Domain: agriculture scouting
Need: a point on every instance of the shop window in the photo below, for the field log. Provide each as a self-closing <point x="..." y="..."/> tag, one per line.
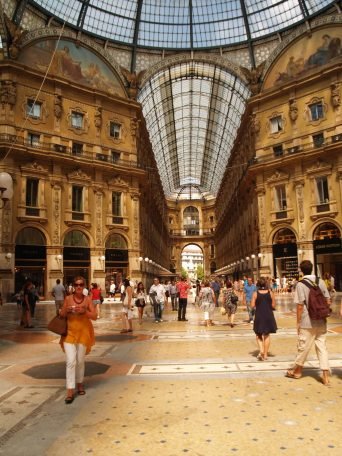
<point x="77" y="202"/>
<point x="276" y="124"/>
<point x="115" y="130"/>
<point x="32" y="186"/>
<point x="316" y="111"/>
<point x="322" y="192"/>
<point x="33" y="109"/>
<point x="77" y="120"/>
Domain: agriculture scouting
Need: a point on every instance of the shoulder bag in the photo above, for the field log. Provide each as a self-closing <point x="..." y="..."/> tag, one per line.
<point x="58" y="325"/>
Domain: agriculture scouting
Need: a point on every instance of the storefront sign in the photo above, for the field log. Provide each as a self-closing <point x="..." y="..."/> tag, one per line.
<point x="115" y="255"/>
<point x="328" y="246"/>
<point x="284" y="250"/>
<point x="76" y="254"/>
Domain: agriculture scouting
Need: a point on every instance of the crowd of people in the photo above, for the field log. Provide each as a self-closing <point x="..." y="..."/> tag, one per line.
<point x="79" y="305"/>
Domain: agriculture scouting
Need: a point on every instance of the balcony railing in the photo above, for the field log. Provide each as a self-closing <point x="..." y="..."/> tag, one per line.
<point x="292" y="151"/>
<point x="8" y="141"/>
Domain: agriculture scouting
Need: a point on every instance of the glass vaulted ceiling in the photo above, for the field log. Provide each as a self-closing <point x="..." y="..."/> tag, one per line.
<point x="192" y="111"/>
<point x="182" y="24"/>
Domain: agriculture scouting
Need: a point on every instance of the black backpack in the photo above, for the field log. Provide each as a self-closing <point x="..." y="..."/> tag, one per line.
<point x="317" y="306"/>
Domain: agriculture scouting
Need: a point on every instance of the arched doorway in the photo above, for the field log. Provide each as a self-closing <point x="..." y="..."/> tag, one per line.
<point x="191" y="221"/>
<point x="30" y="259"/>
<point x="76" y="256"/>
<point x="192" y="262"/>
<point x="116" y="259"/>
<point x="285" y="258"/>
<point x="327" y="244"/>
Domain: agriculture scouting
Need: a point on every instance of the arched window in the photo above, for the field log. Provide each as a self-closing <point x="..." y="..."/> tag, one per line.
<point x="191" y="221"/>
<point x="116" y="241"/>
<point x="76" y="239"/>
<point x="284" y="236"/>
<point x="30" y="236"/>
<point x="326" y="231"/>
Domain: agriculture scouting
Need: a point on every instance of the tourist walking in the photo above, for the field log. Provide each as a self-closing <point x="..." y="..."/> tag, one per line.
<point x="310" y="331"/>
<point x="127" y="308"/>
<point x="59" y="293"/>
<point x="95" y="293"/>
<point x="207" y="301"/>
<point x="230" y="302"/>
<point x="263" y="302"/>
<point x="248" y="290"/>
<point x="183" y="287"/>
<point x="79" y="310"/>
<point x="157" y="296"/>
<point x="174" y="295"/>
<point x="140" y="301"/>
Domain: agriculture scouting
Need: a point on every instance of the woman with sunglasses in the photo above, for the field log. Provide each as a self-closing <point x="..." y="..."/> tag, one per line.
<point x="79" y="310"/>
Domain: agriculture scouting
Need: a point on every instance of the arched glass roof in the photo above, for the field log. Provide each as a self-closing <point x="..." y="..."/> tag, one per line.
<point x="182" y="24"/>
<point x="193" y="111"/>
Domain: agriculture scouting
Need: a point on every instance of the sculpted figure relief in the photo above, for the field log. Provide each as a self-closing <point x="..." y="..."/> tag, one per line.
<point x="293" y="109"/>
<point x="8" y="93"/>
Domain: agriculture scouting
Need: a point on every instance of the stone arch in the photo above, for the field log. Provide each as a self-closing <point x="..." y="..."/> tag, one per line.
<point x="30" y="235"/>
<point x="326" y="230"/>
<point x="76" y="238"/>
<point x="116" y="240"/>
<point x="219" y="61"/>
<point x="284" y="235"/>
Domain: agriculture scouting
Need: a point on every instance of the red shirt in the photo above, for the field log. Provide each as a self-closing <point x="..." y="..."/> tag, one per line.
<point x="183" y="288"/>
<point x="95" y="294"/>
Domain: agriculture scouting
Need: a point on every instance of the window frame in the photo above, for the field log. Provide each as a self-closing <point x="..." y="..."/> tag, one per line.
<point x="31" y="106"/>
<point x="113" y="133"/>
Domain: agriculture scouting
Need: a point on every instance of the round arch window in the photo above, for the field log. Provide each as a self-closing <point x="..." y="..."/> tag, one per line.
<point x="76" y="239"/>
<point x="30" y="236"/>
<point x="284" y="236"/>
<point x="326" y="231"/>
<point x="116" y="241"/>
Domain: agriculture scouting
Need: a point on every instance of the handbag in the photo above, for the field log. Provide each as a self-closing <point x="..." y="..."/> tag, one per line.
<point x="58" y="325"/>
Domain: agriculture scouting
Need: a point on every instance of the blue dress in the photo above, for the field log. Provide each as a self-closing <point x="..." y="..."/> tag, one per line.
<point x="264" y="321"/>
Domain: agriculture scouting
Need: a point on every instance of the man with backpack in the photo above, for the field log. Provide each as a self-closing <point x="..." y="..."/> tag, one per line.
<point x="313" y="303"/>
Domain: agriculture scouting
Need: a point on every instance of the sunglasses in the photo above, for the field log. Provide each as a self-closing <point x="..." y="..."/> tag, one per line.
<point x="78" y="284"/>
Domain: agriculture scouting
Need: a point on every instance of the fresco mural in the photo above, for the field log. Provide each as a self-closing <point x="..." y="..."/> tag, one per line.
<point x="310" y="52"/>
<point x="72" y="62"/>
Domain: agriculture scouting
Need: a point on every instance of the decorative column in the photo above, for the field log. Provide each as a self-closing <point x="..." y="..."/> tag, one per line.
<point x="134" y="253"/>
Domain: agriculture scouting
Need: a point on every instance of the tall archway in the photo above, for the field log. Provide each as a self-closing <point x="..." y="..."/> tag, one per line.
<point x="193" y="262"/>
<point x="285" y="257"/>
<point x="30" y="259"/>
<point x="327" y="246"/>
<point x="76" y="256"/>
<point x="116" y="259"/>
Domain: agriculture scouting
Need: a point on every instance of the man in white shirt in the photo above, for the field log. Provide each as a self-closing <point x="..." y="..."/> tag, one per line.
<point x="157" y="295"/>
<point x="112" y="289"/>
<point x="309" y="331"/>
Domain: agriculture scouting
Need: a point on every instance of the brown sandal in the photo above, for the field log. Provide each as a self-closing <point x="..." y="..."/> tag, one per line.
<point x="290" y="374"/>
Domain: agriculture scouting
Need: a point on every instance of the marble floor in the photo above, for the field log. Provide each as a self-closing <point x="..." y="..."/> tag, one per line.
<point x="168" y="389"/>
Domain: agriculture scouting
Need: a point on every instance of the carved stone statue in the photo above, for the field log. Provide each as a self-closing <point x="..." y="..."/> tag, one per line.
<point x="58" y="109"/>
<point x="133" y="81"/>
<point x="253" y="77"/>
<point x="16" y="34"/>
<point x="98" y="117"/>
<point x="255" y="124"/>
<point x="335" y="95"/>
<point x="293" y="109"/>
<point x="8" y="94"/>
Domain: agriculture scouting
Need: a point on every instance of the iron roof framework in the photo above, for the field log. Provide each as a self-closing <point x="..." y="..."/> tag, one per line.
<point x="192" y="111"/>
<point x="182" y="24"/>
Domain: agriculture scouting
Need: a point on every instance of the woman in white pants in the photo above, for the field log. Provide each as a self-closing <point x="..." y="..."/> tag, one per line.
<point x="78" y="309"/>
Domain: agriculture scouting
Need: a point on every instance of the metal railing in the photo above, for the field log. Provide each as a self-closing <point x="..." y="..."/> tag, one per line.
<point x="11" y="141"/>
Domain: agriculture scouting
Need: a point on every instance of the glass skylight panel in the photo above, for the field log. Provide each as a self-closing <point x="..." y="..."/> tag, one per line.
<point x="64" y="9"/>
<point x="314" y="6"/>
<point x="275" y="17"/>
<point x="128" y="8"/>
<point x="113" y="27"/>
